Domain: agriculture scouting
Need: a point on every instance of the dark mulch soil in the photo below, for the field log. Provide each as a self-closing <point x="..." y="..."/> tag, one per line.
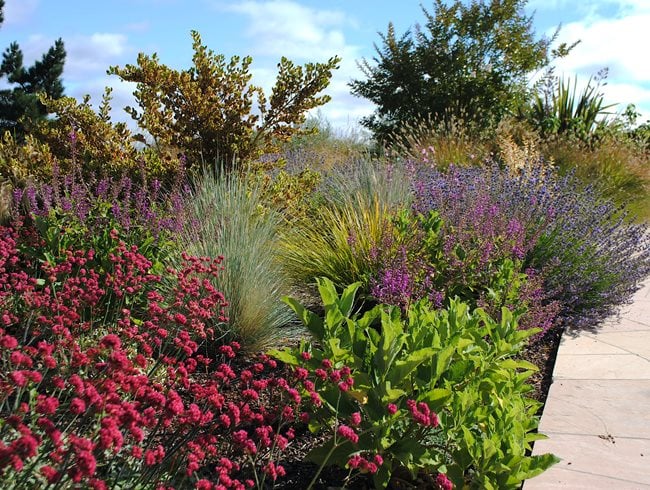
<point x="542" y="354"/>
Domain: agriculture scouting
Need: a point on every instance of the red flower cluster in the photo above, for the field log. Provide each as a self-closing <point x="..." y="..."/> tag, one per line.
<point x="422" y="414"/>
<point x="364" y="465"/>
<point x="443" y="482"/>
<point x="104" y="379"/>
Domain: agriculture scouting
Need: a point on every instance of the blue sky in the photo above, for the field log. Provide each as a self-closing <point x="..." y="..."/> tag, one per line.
<point x="614" y="34"/>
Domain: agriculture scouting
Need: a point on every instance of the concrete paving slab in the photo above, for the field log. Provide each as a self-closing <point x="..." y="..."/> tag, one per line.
<point x="575" y="480"/>
<point x="618" y="325"/>
<point x="637" y="342"/>
<point x="588" y="343"/>
<point x="601" y="366"/>
<point x="594" y="460"/>
<point x="643" y="293"/>
<point x="637" y="314"/>
<point x="598" y="407"/>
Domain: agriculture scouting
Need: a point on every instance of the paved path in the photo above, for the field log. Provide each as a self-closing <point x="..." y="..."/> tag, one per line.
<point x="597" y="414"/>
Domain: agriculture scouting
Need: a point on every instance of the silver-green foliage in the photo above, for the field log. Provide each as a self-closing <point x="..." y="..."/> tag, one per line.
<point x="227" y="218"/>
<point x="369" y="181"/>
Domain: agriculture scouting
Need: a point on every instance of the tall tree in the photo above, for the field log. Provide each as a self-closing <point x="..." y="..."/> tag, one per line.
<point x="469" y="60"/>
<point x="19" y="104"/>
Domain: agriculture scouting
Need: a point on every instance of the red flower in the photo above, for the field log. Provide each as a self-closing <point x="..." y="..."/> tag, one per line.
<point x="348" y="433"/>
<point x="77" y="406"/>
<point x="18" y="378"/>
<point x="50" y="474"/>
<point x="46" y="405"/>
<point x="443" y="482"/>
<point x="110" y="341"/>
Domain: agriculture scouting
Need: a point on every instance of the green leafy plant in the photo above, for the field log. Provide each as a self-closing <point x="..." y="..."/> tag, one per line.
<point x="558" y="109"/>
<point x="438" y="391"/>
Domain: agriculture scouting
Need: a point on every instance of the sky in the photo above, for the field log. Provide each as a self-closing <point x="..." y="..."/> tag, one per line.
<point x="614" y="34"/>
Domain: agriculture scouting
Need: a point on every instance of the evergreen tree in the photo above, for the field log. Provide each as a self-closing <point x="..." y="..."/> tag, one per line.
<point x="19" y="104"/>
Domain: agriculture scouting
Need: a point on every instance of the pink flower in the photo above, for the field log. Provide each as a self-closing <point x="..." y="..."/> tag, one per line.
<point x="77" y="406"/>
<point x="355" y="419"/>
<point x="443" y="482"/>
<point x="392" y="408"/>
<point x="305" y="355"/>
<point x="348" y="433"/>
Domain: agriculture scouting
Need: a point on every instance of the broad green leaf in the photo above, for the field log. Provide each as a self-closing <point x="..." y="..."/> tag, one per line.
<point x="359" y="395"/>
<point x="327" y="291"/>
<point x="285" y="356"/>
<point x="347" y="298"/>
<point x="436" y="398"/>
<point x="403" y="367"/>
<point x="533" y="466"/>
<point x="333" y="319"/>
<point x="392" y="394"/>
<point x="338" y="353"/>
<point x="312" y="321"/>
<point x="518" y="364"/>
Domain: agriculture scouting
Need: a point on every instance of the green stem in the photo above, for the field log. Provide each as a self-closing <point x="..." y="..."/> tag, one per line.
<point x="331" y="451"/>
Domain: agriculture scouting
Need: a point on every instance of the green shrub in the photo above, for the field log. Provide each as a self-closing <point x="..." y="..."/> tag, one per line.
<point x="439" y="391"/>
<point x="212" y="113"/>
<point x="226" y="219"/>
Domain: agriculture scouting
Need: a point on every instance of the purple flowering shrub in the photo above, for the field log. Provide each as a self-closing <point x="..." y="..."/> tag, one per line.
<point x="127" y="202"/>
<point x="477" y="256"/>
<point x="584" y="254"/>
<point x="70" y="213"/>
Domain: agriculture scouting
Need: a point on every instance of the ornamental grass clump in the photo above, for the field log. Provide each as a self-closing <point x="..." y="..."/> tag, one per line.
<point x="588" y="254"/>
<point x="354" y="207"/>
<point x="227" y="217"/>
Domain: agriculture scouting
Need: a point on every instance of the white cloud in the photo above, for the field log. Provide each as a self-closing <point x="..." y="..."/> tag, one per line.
<point x="19" y="11"/>
<point x="303" y="34"/>
<point x="93" y="54"/>
<point x="87" y="56"/>
<point x="284" y="27"/>
<point x="614" y="42"/>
